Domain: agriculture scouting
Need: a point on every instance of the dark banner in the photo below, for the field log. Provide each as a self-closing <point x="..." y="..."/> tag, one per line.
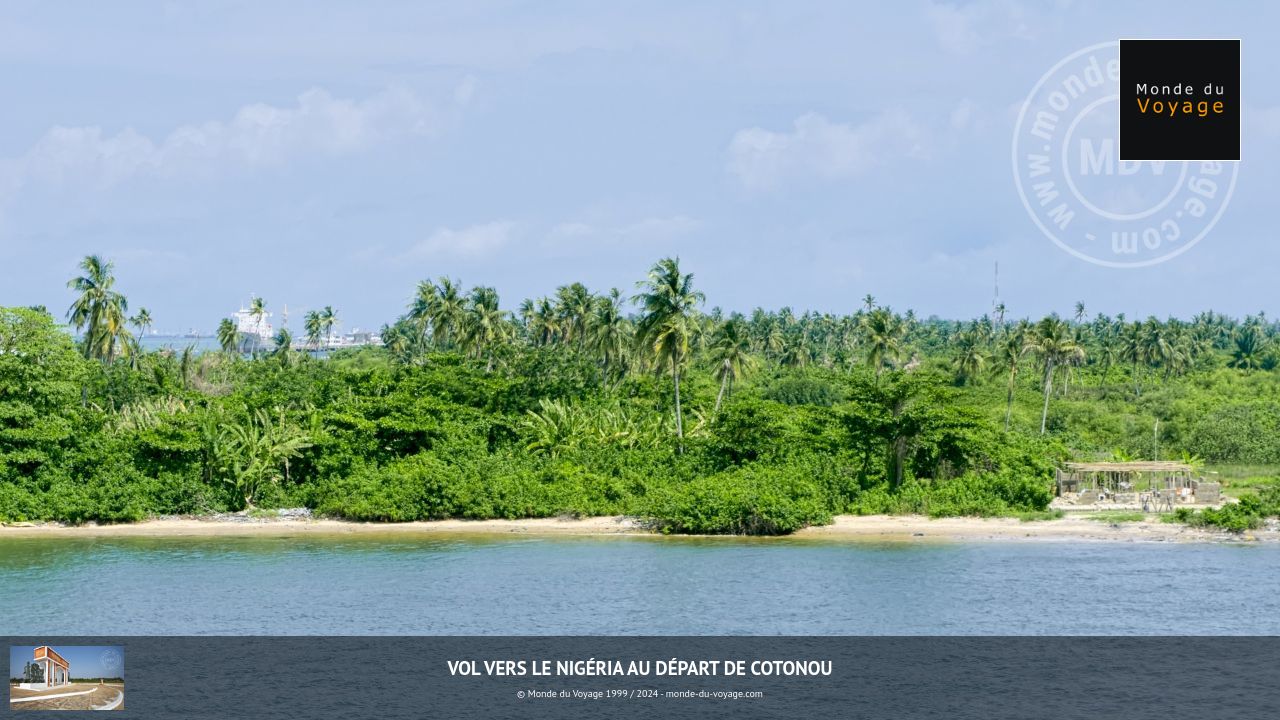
<point x="637" y="677"/>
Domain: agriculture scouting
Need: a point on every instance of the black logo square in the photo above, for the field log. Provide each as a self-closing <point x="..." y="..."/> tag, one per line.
<point x="1179" y="99"/>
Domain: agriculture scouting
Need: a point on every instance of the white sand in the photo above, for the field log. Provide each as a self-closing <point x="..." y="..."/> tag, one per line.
<point x="910" y="528"/>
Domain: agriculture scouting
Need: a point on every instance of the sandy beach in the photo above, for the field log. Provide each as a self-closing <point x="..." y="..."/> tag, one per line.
<point x="871" y="528"/>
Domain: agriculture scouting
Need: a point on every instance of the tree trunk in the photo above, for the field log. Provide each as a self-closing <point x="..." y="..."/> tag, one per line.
<point x="724" y="382"/>
<point x="1008" y="412"/>
<point x="1048" y="390"/>
<point x="675" y="374"/>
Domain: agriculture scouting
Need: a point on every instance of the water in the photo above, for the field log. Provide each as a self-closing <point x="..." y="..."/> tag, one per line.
<point x="629" y="585"/>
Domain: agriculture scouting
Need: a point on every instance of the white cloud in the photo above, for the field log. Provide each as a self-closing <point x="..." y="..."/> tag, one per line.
<point x="817" y="147"/>
<point x="954" y="27"/>
<point x="476" y="241"/>
<point x="647" y="229"/>
<point x="257" y="135"/>
<point x="964" y="28"/>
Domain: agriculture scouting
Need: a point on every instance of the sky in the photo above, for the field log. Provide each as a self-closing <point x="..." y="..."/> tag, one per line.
<point x="86" y="661"/>
<point x="791" y="154"/>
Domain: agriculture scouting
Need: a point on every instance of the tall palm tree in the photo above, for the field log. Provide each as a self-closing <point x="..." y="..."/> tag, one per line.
<point x="1011" y="350"/>
<point x="608" y="331"/>
<point x="228" y="336"/>
<point x="313" y="325"/>
<point x="283" y="350"/>
<point x="541" y="323"/>
<point x="258" y="310"/>
<point x="422" y="309"/>
<point x="99" y="310"/>
<point x="731" y="355"/>
<point x="1052" y="341"/>
<point x="142" y="321"/>
<point x="328" y="319"/>
<point x="668" y="304"/>
<point x="1134" y="349"/>
<point x="448" y="313"/>
<point x="574" y="304"/>
<point x="1250" y="348"/>
<point x="970" y="358"/>
<point x="485" y="324"/>
<point x="883" y="334"/>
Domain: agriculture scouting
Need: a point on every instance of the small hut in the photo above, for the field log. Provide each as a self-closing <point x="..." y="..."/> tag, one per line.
<point x="1150" y="484"/>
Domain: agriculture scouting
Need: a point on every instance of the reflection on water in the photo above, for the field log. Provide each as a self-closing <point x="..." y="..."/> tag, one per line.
<point x="628" y="585"/>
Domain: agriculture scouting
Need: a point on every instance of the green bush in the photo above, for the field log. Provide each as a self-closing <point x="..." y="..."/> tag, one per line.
<point x="1248" y="514"/>
<point x="743" y="501"/>
<point x="978" y="494"/>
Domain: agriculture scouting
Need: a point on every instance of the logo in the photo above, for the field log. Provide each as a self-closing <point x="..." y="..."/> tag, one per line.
<point x="1180" y="100"/>
<point x="1082" y="196"/>
<point x="111" y="659"/>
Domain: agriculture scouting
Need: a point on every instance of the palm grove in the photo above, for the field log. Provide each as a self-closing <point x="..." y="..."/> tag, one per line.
<point x="583" y="403"/>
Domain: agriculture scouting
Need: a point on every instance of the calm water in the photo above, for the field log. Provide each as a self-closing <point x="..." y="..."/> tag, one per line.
<point x="631" y="586"/>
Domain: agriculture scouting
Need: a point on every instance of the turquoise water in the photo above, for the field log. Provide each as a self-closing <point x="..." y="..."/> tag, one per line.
<point x="384" y="585"/>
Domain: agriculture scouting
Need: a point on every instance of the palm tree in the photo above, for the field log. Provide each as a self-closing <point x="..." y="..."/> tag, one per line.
<point x="970" y="360"/>
<point x="484" y="324"/>
<point x="448" y="313"/>
<point x="574" y="304"/>
<point x="100" y="311"/>
<point x="1134" y="349"/>
<point x="328" y="318"/>
<point x="283" y="350"/>
<point x="1052" y="341"/>
<point x="228" y="336"/>
<point x="608" y="330"/>
<point x="258" y="311"/>
<point x="313" y="325"/>
<point x="142" y="321"/>
<point x="1080" y="311"/>
<point x="1011" y="350"/>
<point x="422" y="309"/>
<point x="668" y="304"/>
<point x="883" y="333"/>
<point x="1251" y="348"/>
<point x="730" y="353"/>
<point x="541" y="322"/>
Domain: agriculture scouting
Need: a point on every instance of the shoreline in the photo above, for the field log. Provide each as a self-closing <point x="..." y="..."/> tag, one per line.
<point x="851" y="528"/>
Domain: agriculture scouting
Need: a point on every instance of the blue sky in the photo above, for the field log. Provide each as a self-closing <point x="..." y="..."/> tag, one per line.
<point x="800" y="154"/>
<point x="86" y="661"/>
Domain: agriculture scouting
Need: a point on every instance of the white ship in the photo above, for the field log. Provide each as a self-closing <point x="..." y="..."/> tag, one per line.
<point x="255" y="329"/>
<point x="257" y="332"/>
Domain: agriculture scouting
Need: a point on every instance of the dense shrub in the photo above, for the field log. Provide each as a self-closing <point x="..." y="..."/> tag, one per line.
<point x="978" y="494"/>
<point x="743" y="501"/>
<point x="1247" y="514"/>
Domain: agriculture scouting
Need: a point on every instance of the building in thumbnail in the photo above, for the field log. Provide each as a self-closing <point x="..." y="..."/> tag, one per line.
<point x="57" y="671"/>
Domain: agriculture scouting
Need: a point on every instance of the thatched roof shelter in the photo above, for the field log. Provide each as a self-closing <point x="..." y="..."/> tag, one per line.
<point x="1124" y="476"/>
<point x="1140" y="466"/>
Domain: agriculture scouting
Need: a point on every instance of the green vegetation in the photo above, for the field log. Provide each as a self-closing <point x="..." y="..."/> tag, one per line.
<point x="1250" y="513"/>
<point x="1117" y="516"/>
<point x="588" y="403"/>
